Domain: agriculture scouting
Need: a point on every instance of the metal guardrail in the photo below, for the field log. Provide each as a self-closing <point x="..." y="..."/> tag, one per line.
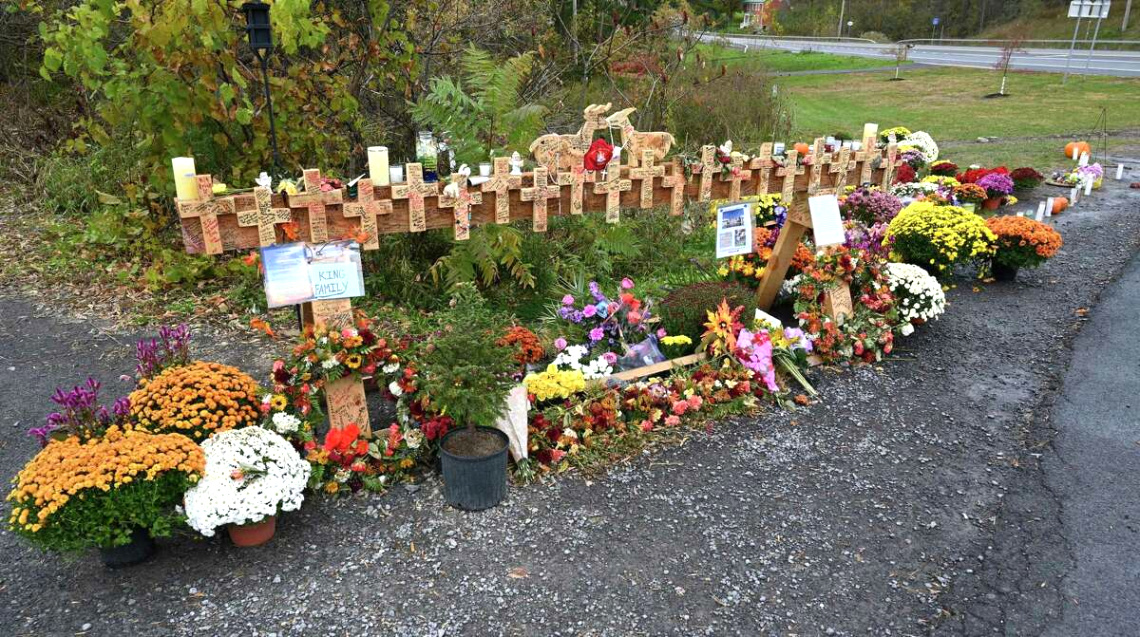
<point x="993" y="42"/>
<point x="759" y="36"/>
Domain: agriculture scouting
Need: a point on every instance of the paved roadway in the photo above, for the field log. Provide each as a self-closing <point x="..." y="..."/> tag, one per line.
<point x="1119" y="63"/>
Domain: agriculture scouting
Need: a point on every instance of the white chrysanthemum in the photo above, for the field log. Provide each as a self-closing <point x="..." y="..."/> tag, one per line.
<point x="914" y="189"/>
<point x="285" y="423"/>
<point x="329" y="363"/>
<point x="920" y="294"/>
<point x="395" y="389"/>
<point x="251" y="474"/>
<point x="390" y="368"/>
<point x="923" y="143"/>
<point x="571" y="358"/>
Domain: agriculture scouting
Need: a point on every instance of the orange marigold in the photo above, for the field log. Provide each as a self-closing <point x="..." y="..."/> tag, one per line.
<point x="196" y="400"/>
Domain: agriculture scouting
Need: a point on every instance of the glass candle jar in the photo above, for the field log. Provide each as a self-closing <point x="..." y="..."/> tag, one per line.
<point x="427" y="154"/>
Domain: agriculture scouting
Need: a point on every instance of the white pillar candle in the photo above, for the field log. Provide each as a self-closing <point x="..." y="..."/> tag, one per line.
<point x="1041" y="210"/>
<point x="1074" y="195"/>
<point x="1075" y="151"/>
<point x="1049" y="207"/>
<point x="1084" y="159"/>
<point x="1119" y="172"/>
<point x="378" y="165"/>
<point x="396" y="173"/>
<point x="185" y="177"/>
<point x="1088" y="186"/>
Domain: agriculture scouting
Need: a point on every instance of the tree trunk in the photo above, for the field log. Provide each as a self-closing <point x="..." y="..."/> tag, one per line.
<point x="1127" y="10"/>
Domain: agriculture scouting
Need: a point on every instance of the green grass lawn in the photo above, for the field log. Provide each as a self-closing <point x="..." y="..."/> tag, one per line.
<point x="784" y="61"/>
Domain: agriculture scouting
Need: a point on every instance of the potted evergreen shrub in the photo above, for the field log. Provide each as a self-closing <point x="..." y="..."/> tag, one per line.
<point x="466" y="371"/>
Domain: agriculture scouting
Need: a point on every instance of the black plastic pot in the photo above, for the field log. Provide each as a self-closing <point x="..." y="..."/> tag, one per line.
<point x="1004" y="272"/>
<point x="474" y="484"/>
<point x="139" y="549"/>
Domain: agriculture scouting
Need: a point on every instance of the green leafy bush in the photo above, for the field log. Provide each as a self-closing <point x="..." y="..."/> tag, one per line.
<point x="685" y="310"/>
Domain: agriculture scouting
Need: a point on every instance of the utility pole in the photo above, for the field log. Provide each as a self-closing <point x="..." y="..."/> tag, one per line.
<point x="842" y="9"/>
<point x="1127" y="10"/>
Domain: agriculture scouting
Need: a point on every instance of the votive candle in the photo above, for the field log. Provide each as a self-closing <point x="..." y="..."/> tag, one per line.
<point x="1049" y="207"/>
<point x="1119" y="172"/>
<point x="396" y="173"/>
<point x="185" y="177"/>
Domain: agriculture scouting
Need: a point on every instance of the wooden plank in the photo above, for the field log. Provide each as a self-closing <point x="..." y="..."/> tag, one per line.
<point x="650" y="370"/>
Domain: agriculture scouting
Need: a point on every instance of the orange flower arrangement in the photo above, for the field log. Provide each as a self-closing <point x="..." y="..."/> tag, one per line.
<point x="528" y="349"/>
<point x="1022" y="241"/>
<point x="196" y="400"/>
<point x="89" y="475"/>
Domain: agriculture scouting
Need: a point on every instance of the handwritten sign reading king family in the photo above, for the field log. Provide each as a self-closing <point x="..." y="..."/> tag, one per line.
<point x="300" y="272"/>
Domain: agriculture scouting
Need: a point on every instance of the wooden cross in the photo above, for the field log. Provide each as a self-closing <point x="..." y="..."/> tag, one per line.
<point x="839" y="170"/>
<point x="501" y="183"/>
<point x="612" y="188"/>
<point x="462" y="205"/>
<point x="708" y="167"/>
<point x="576" y="179"/>
<point x="315" y="201"/>
<point x="788" y="171"/>
<point x="763" y="162"/>
<point x="890" y="163"/>
<point x="819" y="157"/>
<point x="677" y="182"/>
<point x="207" y="209"/>
<point x="264" y="216"/>
<point x="867" y="155"/>
<point x="414" y="190"/>
<point x="646" y="174"/>
<point x="737" y="174"/>
<point x="539" y="193"/>
<point x="367" y="207"/>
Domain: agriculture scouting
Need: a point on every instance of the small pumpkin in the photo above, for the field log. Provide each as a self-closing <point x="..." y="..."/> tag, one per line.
<point x="1079" y="147"/>
<point x="802" y="149"/>
<point x="1060" y="204"/>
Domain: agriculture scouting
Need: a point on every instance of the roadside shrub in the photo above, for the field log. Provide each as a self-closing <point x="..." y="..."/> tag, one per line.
<point x="706" y="115"/>
<point x="685" y="310"/>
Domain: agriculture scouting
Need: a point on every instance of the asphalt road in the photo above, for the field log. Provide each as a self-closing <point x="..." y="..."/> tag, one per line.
<point x="1118" y="63"/>
<point x="1096" y="470"/>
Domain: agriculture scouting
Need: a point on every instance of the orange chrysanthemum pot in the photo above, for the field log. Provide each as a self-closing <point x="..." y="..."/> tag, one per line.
<point x="256" y="534"/>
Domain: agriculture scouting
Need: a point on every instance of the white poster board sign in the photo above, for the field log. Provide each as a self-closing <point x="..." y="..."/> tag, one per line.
<point x="299" y="272"/>
<point x="826" y="222"/>
<point x="733" y="230"/>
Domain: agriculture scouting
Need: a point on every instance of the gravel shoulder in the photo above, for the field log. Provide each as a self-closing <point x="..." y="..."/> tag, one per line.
<point x="911" y="500"/>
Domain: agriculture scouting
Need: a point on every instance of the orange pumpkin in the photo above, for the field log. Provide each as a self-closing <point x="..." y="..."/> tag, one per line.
<point x="1080" y="148"/>
<point x="802" y="149"/>
<point x="1059" y="204"/>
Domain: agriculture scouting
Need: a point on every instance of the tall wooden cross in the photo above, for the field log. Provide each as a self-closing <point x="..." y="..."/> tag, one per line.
<point x="612" y="188"/>
<point x="789" y="171"/>
<point x="414" y="190"/>
<point x="367" y="207"/>
<point x="461" y="205"/>
<point x="264" y="216"/>
<point x="646" y="173"/>
<point x="708" y="167"/>
<point x="501" y="183"/>
<point x="315" y="201"/>
<point x="539" y="193"/>
<point x="576" y="179"/>
<point x="763" y="162"/>
<point x="839" y="170"/>
<point x="819" y="160"/>
<point x="207" y="209"/>
<point x="866" y="155"/>
<point x="736" y="174"/>
<point x="676" y="182"/>
<point x="890" y="163"/>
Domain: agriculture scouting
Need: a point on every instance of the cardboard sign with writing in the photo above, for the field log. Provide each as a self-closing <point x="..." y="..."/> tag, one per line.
<point x="346" y="404"/>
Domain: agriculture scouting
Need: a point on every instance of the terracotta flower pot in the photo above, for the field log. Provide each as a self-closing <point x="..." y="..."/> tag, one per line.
<point x="992" y="203"/>
<point x="254" y="534"/>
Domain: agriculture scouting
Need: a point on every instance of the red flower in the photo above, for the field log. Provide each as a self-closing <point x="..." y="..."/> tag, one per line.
<point x="599" y="155"/>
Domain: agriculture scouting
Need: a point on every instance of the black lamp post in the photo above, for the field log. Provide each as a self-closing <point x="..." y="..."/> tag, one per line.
<point x="260" y="34"/>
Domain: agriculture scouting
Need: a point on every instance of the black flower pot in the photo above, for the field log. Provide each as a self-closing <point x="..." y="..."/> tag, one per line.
<point x="474" y="468"/>
<point x="139" y="549"/>
<point x="1003" y="272"/>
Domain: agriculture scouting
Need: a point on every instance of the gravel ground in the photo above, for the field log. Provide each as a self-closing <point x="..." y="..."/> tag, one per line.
<point x="910" y="501"/>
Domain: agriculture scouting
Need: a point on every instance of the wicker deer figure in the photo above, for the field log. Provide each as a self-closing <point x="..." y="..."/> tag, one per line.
<point x="564" y="152"/>
<point x="633" y="141"/>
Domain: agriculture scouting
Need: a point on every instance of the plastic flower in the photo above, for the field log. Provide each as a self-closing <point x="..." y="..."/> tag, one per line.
<point x="721" y="329"/>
